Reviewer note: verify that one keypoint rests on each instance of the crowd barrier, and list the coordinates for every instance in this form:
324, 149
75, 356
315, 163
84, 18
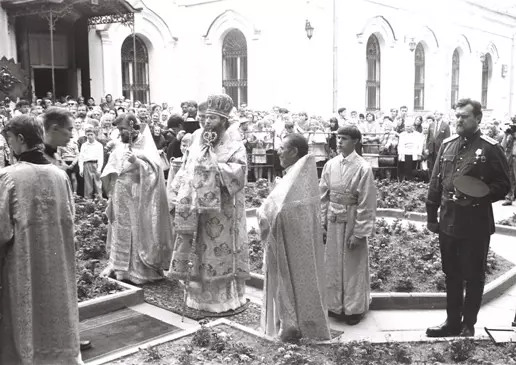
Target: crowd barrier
263, 161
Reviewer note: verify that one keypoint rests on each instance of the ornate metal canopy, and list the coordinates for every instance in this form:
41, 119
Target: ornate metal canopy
97, 11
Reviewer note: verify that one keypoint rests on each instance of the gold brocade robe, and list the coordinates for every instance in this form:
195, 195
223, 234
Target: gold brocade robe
38, 299
220, 255
348, 205
294, 285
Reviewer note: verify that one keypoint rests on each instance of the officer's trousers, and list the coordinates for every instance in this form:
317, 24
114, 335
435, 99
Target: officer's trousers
464, 264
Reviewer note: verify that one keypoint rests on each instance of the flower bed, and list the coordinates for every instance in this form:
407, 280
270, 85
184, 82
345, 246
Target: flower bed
406, 195
256, 192
229, 345
409, 196
403, 258
508, 221
91, 255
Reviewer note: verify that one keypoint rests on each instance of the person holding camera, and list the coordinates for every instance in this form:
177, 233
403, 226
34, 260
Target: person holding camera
509, 148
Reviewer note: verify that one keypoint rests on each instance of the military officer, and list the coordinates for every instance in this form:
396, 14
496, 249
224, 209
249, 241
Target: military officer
466, 215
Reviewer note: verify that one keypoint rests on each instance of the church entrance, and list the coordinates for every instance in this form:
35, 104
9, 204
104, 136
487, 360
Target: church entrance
43, 81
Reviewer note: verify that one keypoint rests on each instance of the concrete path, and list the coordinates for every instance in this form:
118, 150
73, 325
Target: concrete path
410, 325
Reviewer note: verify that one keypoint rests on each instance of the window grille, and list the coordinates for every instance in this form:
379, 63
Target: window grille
419, 78
455, 78
486, 74
373, 74
234, 66
135, 77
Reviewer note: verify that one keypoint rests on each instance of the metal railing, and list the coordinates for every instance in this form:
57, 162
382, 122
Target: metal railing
263, 159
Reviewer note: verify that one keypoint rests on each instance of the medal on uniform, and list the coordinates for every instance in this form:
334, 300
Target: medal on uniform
479, 156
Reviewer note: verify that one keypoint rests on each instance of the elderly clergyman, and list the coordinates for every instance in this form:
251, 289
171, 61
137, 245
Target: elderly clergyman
348, 203
290, 225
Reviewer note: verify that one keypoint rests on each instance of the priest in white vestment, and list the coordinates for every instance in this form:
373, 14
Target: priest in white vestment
348, 205
290, 224
39, 315
139, 230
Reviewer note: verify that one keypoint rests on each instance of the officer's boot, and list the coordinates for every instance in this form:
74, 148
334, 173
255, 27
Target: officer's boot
474, 292
454, 300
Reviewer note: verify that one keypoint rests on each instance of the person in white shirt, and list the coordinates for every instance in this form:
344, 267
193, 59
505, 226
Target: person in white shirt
371, 134
91, 160
410, 149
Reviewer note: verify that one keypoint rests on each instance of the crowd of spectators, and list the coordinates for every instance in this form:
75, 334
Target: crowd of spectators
398, 145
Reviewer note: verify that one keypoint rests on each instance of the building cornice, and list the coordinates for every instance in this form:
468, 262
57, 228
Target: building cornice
497, 12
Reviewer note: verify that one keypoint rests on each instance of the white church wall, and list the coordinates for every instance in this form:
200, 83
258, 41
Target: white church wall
287, 69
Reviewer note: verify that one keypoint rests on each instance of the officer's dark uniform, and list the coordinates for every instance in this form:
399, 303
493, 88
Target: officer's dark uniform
465, 225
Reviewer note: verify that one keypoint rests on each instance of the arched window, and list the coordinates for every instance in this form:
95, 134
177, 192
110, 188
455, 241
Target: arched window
419, 78
486, 77
234, 66
455, 78
373, 74
135, 77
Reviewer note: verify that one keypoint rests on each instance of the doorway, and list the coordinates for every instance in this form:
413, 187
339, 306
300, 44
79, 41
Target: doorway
43, 81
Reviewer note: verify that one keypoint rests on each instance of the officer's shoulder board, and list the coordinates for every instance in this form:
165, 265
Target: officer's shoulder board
489, 139
450, 138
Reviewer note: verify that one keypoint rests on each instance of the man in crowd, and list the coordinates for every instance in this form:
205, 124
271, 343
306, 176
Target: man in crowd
22, 107
294, 284
139, 226
400, 120
59, 128
509, 146
58, 124
201, 113
210, 212
466, 218
39, 315
410, 150
342, 117
175, 126
438, 131
348, 204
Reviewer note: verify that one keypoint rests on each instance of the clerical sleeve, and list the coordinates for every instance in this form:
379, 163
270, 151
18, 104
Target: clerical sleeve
6, 201
233, 172
324, 189
366, 204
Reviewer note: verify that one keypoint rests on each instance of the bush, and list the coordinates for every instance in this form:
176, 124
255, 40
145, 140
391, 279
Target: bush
461, 350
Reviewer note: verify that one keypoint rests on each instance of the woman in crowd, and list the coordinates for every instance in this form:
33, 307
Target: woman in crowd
157, 136
332, 134
155, 118
418, 124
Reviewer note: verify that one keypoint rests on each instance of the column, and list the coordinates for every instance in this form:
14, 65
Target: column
108, 66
